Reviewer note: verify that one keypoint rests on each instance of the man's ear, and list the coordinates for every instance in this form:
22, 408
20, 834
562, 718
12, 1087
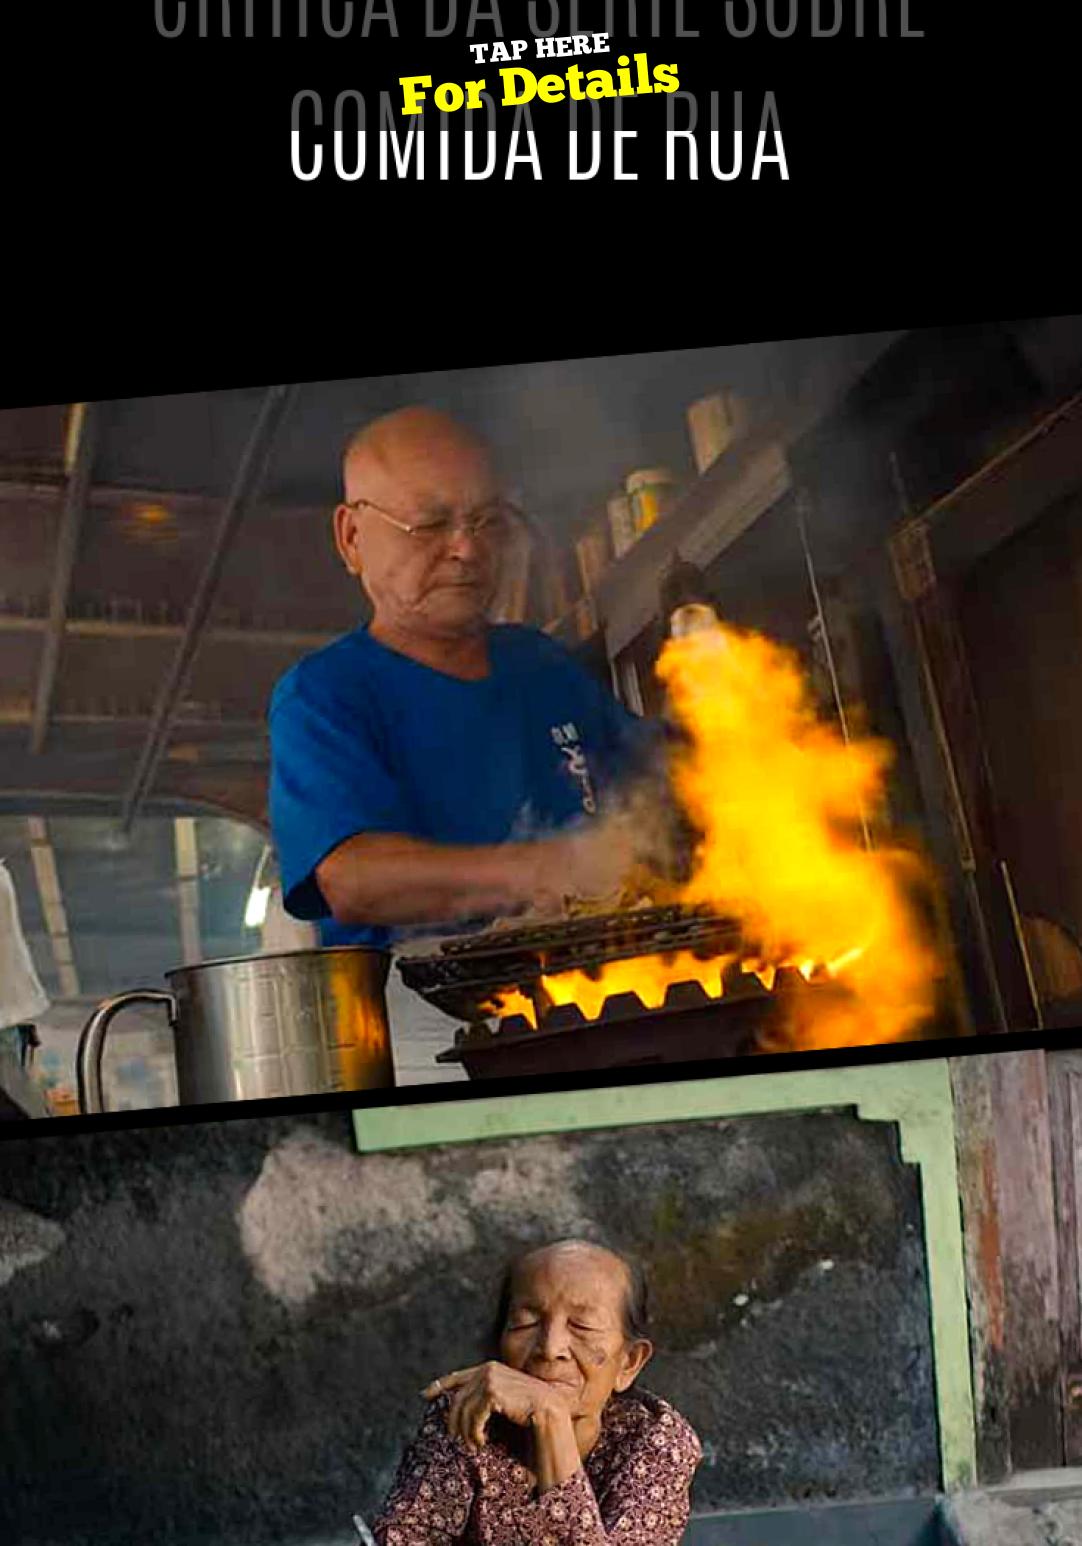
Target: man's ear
345, 537
637, 1355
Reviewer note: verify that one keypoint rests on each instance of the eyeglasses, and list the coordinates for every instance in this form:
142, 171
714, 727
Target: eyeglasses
492, 522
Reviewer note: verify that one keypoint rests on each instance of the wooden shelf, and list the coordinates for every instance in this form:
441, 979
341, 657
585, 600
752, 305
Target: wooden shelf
713, 512
724, 501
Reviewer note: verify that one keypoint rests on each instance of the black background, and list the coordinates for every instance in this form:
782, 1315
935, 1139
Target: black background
157, 240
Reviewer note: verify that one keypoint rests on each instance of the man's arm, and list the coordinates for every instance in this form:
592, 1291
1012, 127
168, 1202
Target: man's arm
342, 828
390, 878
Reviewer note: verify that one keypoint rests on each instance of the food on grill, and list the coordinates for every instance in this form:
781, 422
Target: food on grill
468, 974
552, 996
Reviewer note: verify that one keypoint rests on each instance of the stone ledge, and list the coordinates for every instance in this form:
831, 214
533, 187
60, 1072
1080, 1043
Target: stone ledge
984, 1519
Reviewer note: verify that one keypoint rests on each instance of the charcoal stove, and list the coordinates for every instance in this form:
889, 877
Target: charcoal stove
469, 976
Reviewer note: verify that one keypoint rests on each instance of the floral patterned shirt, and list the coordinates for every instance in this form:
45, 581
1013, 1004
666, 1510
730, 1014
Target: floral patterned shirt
632, 1489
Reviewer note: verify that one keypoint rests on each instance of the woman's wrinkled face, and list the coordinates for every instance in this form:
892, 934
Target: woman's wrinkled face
566, 1325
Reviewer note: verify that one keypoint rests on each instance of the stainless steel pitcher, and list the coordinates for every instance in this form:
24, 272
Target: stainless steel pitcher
298, 1023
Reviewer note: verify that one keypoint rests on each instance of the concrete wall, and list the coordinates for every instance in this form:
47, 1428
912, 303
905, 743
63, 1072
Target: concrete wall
219, 1332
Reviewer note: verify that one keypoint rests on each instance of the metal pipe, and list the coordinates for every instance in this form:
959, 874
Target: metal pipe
1020, 935
824, 631
108, 628
186, 846
67, 546
956, 806
250, 471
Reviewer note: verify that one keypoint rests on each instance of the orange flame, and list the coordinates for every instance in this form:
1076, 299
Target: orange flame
509, 1001
781, 800
648, 976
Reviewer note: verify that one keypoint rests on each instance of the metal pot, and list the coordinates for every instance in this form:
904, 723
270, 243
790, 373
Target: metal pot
297, 1023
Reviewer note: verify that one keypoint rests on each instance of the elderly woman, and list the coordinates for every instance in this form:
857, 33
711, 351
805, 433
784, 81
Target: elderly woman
550, 1445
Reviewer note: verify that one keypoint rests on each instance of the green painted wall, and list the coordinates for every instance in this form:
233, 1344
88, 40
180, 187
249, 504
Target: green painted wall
915, 1095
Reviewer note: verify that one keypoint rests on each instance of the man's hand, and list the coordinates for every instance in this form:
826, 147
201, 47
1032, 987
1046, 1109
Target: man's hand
591, 864
486, 1389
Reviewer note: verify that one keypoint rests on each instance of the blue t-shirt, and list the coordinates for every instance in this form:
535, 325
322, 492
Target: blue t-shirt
364, 739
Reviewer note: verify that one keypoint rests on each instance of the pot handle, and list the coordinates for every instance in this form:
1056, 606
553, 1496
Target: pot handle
92, 1042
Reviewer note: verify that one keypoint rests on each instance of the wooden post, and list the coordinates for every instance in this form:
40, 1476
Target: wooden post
1065, 1089
978, 1189
1012, 1244
952, 707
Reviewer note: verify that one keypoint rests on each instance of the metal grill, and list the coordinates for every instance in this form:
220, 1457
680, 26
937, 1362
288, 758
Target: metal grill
469, 975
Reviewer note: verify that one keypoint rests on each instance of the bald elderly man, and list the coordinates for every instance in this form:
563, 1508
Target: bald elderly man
431, 769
